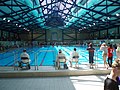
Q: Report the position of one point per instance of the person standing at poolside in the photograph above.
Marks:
(91, 55)
(104, 47)
(110, 55)
(118, 51)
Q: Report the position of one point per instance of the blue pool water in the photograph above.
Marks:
(45, 56)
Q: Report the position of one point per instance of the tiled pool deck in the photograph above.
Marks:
(48, 78)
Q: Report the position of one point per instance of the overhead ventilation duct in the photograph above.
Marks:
(81, 11)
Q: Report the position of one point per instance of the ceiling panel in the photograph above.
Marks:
(86, 15)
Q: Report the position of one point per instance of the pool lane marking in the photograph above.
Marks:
(44, 57)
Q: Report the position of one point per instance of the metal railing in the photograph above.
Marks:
(37, 55)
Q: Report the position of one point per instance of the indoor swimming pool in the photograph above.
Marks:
(46, 55)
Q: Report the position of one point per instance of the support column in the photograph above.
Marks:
(76, 36)
(45, 36)
(32, 37)
(62, 36)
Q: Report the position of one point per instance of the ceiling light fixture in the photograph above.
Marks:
(103, 20)
(90, 25)
(117, 14)
(108, 18)
(4, 18)
(19, 25)
(8, 21)
(93, 23)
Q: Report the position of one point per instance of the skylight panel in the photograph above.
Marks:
(48, 1)
(46, 16)
(49, 7)
(59, 13)
(63, 16)
(66, 11)
(68, 5)
(70, 1)
(45, 11)
(61, 7)
(44, 2)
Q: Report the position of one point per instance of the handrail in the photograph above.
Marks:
(15, 59)
(36, 57)
(96, 58)
(36, 61)
(36, 54)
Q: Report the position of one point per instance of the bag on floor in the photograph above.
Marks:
(65, 66)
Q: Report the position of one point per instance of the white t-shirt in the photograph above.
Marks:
(25, 55)
(61, 57)
(74, 53)
(104, 49)
(118, 49)
(118, 52)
